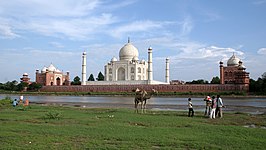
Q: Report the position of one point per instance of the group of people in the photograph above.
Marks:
(213, 108)
(20, 101)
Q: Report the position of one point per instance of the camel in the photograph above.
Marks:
(142, 96)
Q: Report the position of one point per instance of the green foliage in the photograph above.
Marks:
(200, 81)
(259, 86)
(22, 85)
(10, 86)
(34, 86)
(215, 80)
(76, 81)
(123, 129)
(7, 101)
(100, 77)
(53, 115)
(91, 78)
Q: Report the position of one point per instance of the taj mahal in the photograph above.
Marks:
(127, 70)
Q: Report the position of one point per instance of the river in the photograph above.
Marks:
(256, 103)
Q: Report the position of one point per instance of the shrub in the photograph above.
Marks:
(53, 115)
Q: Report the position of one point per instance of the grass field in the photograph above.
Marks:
(55, 127)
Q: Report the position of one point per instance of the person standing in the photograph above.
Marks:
(219, 107)
(190, 108)
(208, 105)
(213, 106)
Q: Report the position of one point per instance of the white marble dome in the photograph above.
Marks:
(233, 61)
(51, 68)
(128, 52)
(113, 59)
(44, 69)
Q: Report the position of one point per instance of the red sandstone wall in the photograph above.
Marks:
(160, 88)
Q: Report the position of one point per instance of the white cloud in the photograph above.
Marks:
(186, 26)
(259, 2)
(57, 45)
(262, 51)
(59, 8)
(6, 31)
(136, 26)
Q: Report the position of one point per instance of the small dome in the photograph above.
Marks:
(51, 68)
(84, 53)
(44, 69)
(142, 61)
(233, 61)
(135, 58)
(128, 52)
(25, 74)
(57, 70)
(113, 59)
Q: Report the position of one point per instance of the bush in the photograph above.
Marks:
(53, 115)
(6, 101)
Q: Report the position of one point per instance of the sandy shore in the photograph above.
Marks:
(240, 109)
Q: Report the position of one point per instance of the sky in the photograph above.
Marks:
(195, 35)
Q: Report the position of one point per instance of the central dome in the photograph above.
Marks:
(233, 61)
(128, 52)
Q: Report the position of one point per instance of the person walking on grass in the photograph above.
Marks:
(213, 106)
(190, 108)
(220, 105)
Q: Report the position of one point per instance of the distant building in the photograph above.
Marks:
(51, 76)
(234, 72)
(25, 78)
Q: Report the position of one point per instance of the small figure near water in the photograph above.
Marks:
(219, 107)
(190, 108)
(15, 103)
(27, 102)
(213, 106)
(208, 105)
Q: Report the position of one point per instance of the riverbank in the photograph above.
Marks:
(160, 94)
(63, 127)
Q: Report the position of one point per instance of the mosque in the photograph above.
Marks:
(128, 69)
(50, 76)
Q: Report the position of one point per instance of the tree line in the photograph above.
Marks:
(255, 87)
(15, 86)
(76, 80)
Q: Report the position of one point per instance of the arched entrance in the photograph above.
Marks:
(121, 74)
(58, 81)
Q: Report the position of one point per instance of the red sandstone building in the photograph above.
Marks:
(51, 76)
(25, 78)
(234, 72)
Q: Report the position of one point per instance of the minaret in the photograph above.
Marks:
(150, 76)
(83, 80)
(221, 73)
(167, 80)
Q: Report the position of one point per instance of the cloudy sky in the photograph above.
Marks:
(195, 35)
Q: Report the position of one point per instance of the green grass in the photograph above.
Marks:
(55, 127)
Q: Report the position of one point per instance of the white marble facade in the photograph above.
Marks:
(128, 67)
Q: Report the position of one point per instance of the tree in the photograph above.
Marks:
(200, 81)
(22, 85)
(35, 86)
(100, 76)
(91, 78)
(11, 86)
(76, 81)
(215, 80)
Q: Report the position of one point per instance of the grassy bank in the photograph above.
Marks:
(54, 127)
